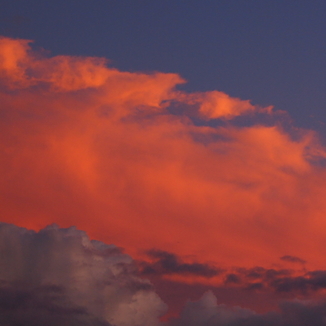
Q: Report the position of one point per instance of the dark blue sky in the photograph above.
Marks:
(271, 52)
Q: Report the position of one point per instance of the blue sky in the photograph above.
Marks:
(271, 52)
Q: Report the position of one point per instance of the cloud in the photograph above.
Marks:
(45, 305)
(217, 105)
(296, 282)
(206, 312)
(168, 263)
(60, 276)
(293, 259)
(134, 161)
(85, 144)
(310, 281)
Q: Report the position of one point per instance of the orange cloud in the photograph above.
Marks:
(13, 55)
(214, 105)
(87, 145)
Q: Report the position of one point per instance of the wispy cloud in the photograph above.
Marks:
(292, 259)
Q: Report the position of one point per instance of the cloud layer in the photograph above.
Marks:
(60, 277)
(206, 312)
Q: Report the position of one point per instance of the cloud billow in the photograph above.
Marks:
(62, 277)
(168, 263)
(132, 160)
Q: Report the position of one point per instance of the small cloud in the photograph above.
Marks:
(292, 259)
(232, 279)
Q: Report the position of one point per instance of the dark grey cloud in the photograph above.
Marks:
(168, 263)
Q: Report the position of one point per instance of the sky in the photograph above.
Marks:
(162, 163)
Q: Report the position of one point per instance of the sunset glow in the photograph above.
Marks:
(197, 196)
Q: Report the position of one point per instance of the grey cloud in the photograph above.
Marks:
(206, 312)
(259, 278)
(61, 275)
(292, 259)
(169, 263)
(232, 278)
(311, 281)
(45, 305)
(262, 273)
(255, 278)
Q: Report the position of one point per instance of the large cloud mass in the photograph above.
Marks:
(129, 158)
(58, 276)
